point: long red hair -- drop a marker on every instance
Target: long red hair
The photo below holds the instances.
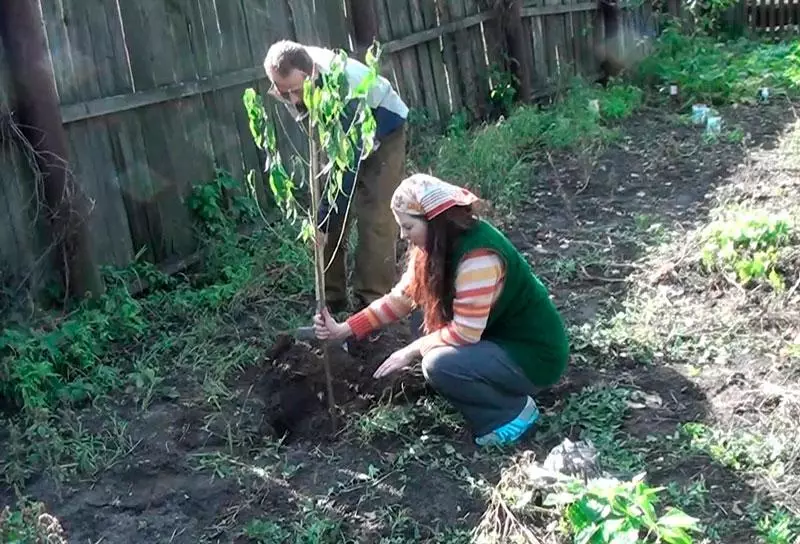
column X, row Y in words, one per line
column 433, row 287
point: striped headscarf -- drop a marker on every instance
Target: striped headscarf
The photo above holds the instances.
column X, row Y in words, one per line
column 428, row 196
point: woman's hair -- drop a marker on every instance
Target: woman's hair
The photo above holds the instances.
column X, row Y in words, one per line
column 434, row 270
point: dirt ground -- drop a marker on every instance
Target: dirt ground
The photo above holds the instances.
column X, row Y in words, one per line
column 401, row 467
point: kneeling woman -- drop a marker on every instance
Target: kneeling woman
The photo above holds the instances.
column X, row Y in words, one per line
column 492, row 336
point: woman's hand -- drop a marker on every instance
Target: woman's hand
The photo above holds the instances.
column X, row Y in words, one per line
column 326, row 327
column 396, row 361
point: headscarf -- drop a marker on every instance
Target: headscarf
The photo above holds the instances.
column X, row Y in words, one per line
column 428, row 196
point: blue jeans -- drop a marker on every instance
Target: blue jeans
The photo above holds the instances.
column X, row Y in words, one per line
column 480, row 380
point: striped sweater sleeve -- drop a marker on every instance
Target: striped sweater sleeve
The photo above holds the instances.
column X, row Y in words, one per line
column 479, row 280
column 390, row 308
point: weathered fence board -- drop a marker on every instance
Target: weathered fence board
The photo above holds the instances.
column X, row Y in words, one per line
column 22, row 241
column 151, row 94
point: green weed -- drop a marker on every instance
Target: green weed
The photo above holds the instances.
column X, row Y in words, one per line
column 503, row 91
column 498, row 160
column 777, row 526
column 312, row 528
column 63, row 360
column 739, row 450
column 221, row 203
column 29, row 523
column 714, row 72
column 748, row 244
column 598, row 413
column 607, row 511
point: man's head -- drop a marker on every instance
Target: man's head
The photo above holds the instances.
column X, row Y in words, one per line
column 288, row 65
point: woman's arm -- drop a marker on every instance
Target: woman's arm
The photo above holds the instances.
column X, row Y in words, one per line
column 479, row 280
column 390, row 308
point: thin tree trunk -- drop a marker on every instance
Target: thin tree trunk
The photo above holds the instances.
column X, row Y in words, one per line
column 23, row 35
column 319, row 268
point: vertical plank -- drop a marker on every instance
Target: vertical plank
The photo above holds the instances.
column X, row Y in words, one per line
column 391, row 68
column 541, row 54
column 267, row 21
column 493, row 36
column 454, row 10
column 424, row 56
column 570, row 33
column 19, row 223
column 772, row 18
column 438, row 68
column 107, row 78
column 553, row 37
column 147, row 39
column 452, row 70
column 400, row 25
column 84, row 148
column 481, row 74
column 232, row 25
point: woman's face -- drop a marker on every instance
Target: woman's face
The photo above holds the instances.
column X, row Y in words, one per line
column 413, row 229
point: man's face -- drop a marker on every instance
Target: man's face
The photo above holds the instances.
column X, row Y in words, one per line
column 289, row 88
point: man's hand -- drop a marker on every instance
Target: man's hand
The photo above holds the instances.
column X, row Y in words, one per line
column 396, row 361
column 327, row 328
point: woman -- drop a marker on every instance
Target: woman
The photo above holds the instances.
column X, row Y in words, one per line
column 492, row 335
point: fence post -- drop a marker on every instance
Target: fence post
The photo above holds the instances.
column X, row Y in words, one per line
column 22, row 32
column 365, row 25
column 609, row 61
column 518, row 46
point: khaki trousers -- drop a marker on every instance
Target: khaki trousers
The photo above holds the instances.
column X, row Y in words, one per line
column 375, row 256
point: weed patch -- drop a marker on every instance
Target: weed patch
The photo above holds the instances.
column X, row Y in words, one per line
column 498, row 161
column 29, row 523
column 749, row 245
column 708, row 70
column 597, row 413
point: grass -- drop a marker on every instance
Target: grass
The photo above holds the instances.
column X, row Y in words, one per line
column 749, row 244
column 29, row 523
column 714, row 72
column 499, row 160
column 52, row 368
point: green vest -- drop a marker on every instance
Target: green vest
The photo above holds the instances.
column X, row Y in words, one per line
column 523, row 320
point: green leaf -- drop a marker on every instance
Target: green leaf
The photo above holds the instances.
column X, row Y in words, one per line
column 587, row 534
column 559, row 499
column 676, row 518
column 626, row 536
column 674, row 535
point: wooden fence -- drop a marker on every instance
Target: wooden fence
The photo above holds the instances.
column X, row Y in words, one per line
column 775, row 18
column 150, row 94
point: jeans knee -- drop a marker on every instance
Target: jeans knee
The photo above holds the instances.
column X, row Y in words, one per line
column 437, row 363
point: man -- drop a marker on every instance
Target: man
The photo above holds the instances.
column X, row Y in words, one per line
column 288, row 65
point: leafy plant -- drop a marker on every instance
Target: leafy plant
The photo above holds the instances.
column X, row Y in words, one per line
column 329, row 104
column 503, row 90
column 739, row 451
column 29, row 523
column 714, row 72
column 62, row 361
column 707, row 14
column 220, row 203
column 609, row 511
column 748, row 244
column 777, row 526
